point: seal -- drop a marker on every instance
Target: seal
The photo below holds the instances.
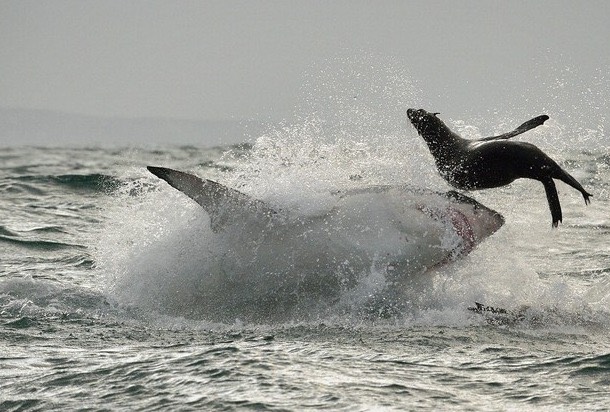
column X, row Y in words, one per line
column 492, row 161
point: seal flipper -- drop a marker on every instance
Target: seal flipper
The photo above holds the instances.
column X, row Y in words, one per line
column 499, row 316
column 220, row 202
column 481, row 308
column 530, row 124
column 567, row 178
column 553, row 199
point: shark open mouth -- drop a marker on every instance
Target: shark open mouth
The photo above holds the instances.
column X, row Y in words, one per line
column 463, row 228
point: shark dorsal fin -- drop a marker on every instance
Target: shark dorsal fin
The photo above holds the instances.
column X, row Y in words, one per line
column 219, row 201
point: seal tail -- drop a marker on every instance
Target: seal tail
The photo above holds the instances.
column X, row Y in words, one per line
column 553, row 199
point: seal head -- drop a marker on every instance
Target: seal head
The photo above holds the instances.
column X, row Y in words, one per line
column 434, row 131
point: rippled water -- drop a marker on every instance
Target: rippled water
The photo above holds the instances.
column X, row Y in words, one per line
column 89, row 240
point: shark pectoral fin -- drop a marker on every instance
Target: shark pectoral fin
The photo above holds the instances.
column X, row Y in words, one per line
column 530, row 124
column 219, row 201
column 553, row 199
column 218, row 221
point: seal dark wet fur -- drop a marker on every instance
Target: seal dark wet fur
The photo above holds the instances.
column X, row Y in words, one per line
column 492, row 161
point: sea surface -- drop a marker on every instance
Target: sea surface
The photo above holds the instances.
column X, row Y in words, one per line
column 100, row 264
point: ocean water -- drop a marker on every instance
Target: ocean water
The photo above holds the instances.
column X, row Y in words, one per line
column 98, row 257
column 109, row 298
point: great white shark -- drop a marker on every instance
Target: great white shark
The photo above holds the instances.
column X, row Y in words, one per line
column 276, row 258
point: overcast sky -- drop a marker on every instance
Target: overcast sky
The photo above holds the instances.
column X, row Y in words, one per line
column 249, row 59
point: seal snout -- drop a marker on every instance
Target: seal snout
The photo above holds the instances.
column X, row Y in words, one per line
column 419, row 115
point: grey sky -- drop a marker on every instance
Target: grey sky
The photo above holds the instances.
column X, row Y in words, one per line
column 248, row 59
